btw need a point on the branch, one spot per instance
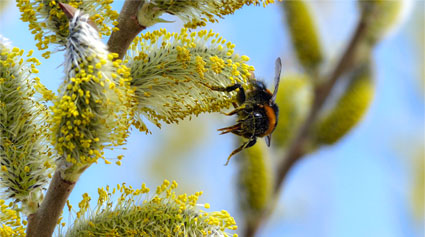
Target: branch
(251, 228)
(43, 222)
(128, 26)
(297, 149)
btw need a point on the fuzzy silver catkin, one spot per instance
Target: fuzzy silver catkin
(83, 42)
(91, 113)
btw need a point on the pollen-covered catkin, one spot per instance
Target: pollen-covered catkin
(92, 111)
(164, 213)
(171, 73)
(25, 157)
(11, 223)
(349, 109)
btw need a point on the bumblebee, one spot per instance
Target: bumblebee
(256, 109)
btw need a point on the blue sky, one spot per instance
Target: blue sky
(358, 187)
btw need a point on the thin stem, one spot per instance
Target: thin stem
(251, 228)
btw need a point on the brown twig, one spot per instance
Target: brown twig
(42, 223)
(251, 228)
(297, 149)
(128, 26)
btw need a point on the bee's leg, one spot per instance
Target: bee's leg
(230, 129)
(238, 109)
(237, 132)
(240, 96)
(251, 142)
(226, 89)
(247, 144)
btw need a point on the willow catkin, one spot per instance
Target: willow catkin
(303, 32)
(349, 109)
(255, 180)
(294, 99)
(25, 157)
(136, 213)
(383, 16)
(171, 72)
(94, 103)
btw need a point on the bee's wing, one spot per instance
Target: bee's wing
(278, 69)
(268, 140)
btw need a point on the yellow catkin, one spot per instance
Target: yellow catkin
(172, 73)
(11, 223)
(305, 38)
(418, 184)
(255, 180)
(294, 99)
(49, 24)
(93, 110)
(137, 213)
(349, 109)
(383, 16)
(24, 150)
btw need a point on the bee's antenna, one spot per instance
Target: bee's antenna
(278, 69)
